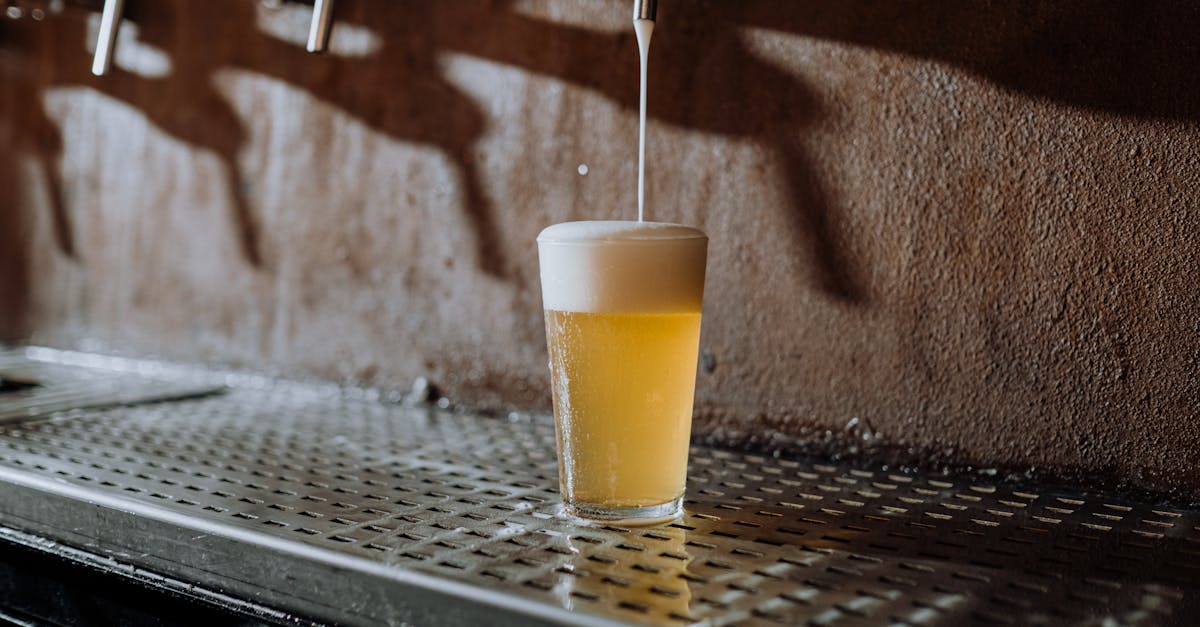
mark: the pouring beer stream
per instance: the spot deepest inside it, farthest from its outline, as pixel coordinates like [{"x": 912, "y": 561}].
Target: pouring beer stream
[{"x": 644, "y": 13}]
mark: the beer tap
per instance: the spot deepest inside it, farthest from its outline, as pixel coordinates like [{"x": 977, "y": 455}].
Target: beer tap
[
  {"x": 645, "y": 10},
  {"x": 322, "y": 24},
  {"x": 106, "y": 41}
]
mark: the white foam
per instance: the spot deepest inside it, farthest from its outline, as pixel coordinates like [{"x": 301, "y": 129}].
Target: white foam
[{"x": 611, "y": 266}]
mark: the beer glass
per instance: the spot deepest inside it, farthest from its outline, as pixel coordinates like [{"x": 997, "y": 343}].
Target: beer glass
[{"x": 622, "y": 306}]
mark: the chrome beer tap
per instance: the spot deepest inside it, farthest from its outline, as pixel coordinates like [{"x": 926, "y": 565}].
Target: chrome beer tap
[
  {"x": 322, "y": 24},
  {"x": 645, "y": 9},
  {"x": 106, "y": 41}
]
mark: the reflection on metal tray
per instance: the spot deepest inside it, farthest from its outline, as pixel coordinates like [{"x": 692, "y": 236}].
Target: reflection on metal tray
[
  {"x": 32, "y": 385},
  {"x": 362, "y": 512}
]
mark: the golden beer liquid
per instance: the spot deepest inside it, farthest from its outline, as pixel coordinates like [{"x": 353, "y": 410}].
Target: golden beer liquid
[{"x": 623, "y": 385}]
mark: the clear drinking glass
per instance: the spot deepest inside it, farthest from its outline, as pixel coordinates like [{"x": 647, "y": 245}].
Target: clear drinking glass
[{"x": 622, "y": 305}]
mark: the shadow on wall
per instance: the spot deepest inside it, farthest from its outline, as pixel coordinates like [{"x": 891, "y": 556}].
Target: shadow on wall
[
  {"x": 1126, "y": 58},
  {"x": 1123, "y": 57},
  {"x": 14, "y": 253},
  {"x": 14, "y": 217}
]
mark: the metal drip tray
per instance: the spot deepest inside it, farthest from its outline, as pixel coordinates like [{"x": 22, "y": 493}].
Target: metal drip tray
[
  {"x": 31, "y": 387},
  {"x": 356, "y": 511}
]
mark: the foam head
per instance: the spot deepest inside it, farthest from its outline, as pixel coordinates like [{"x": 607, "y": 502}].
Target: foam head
[{"x": 611, "y": 266}]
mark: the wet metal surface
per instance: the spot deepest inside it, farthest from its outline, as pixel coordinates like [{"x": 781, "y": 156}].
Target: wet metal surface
[{"x": 359, "y": 511}]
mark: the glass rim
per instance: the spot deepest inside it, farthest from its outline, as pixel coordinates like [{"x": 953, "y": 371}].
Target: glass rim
[{"x": 600, "y": 232}]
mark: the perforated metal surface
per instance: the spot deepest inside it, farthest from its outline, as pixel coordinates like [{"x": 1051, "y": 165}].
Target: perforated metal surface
[{"x": 473, "y": 499}]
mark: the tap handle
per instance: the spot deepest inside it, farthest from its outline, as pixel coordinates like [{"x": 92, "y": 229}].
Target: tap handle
[
  {"x": 106, "y": 41},
  {"x": 322, "y": 24},
  {"x": 645, "y": 10}
]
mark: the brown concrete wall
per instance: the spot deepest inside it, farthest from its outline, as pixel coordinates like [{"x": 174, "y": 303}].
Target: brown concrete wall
[{"x": 945, "y": 231}]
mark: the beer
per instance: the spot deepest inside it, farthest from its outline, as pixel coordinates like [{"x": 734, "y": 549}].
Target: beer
[
  {"x": 622, "y": 307},
  {"x": 626, "y": 380}
]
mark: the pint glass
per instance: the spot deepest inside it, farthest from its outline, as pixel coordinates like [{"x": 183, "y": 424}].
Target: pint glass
[{"x": 622, "y": 305}]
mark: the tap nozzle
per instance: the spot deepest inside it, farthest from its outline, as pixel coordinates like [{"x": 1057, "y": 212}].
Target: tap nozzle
[
  {"x": 106, "y": 40},
  {"x": 322, "y": 24},
  {"x": 645, "y": 9}
]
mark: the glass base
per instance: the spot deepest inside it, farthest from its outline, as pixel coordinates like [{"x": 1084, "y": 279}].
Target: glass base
[{"x": 626, "y": 516}]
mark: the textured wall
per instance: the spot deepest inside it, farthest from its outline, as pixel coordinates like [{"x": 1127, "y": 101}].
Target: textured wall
[{"x": 961, "y": 232}]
